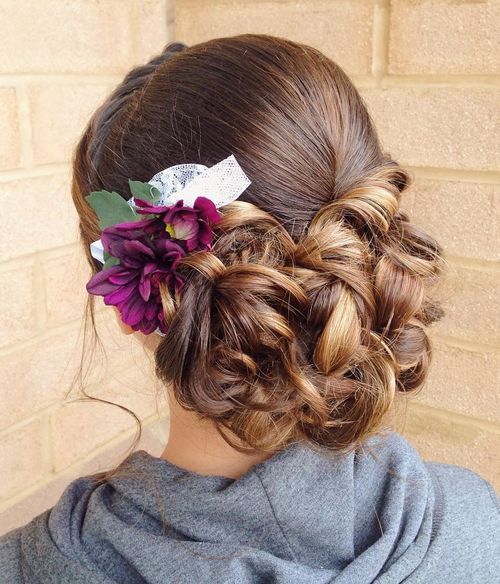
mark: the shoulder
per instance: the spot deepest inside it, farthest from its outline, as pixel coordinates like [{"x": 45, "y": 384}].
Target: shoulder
[
  {"x": 466, "y": 538},
  {"x": 466, "y": 492},
  {"x": 45, "y": 535},
  {"x": 10, "y": 556}
]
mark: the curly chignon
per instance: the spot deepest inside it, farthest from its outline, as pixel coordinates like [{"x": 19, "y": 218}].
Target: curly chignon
[{"x": 310, "y": 312}]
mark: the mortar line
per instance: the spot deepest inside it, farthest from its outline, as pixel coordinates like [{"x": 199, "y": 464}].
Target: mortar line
[
  {"x": 464, "y": 345},
  {"x": 39, "y": 293},
  {"x": 35, "y": 171},
  {"x": 44, "y": 254},
  {"x": 491, "y": 82},
  {"x": 456, "y": 175},
  {"x": 134, "y": 31},
  {"x": 380, "y": 40},
  {"x": 455, "y": 417},
  {"x": 25, "y": 134},
  {"x": 24, "y": 79},
  {"x": 490, "y": 266}
]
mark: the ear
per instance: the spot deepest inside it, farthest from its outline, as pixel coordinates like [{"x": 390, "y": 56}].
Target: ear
[{"x": 126, "y": 329}]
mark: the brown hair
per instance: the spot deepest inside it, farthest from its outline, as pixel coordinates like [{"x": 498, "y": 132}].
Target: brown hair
[{"x": 310, "y": 312}]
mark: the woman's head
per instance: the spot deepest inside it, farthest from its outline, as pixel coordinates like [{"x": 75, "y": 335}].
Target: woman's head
[{"x": 309, "y": 313}]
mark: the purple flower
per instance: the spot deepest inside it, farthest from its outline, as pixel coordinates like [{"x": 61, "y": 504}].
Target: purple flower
[
  {"x": 148, "y": 252},
  {"x": 145, "y": 262},
  {"x": 189, "y": 224}
]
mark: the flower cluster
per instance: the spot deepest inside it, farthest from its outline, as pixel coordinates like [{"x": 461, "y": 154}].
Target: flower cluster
[{"x": 144, "y": 253}]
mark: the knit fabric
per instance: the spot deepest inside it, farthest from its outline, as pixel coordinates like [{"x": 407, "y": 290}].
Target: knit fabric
[{"x": 378, "y": 515}]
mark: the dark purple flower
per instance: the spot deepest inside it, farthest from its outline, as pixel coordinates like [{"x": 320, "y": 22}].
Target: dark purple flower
[
  {"x": 149, "y": 251},
  {"x": 189, "y": 224},
  {"x": 145, "y": 262}
]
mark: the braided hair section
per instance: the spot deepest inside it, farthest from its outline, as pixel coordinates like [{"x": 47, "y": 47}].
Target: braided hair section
[{"x": 280, "y": 339}]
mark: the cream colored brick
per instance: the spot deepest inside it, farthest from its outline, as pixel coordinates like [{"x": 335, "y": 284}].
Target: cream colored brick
[
  {"x": 22, "y": 512},
  {"x": 41, "y": 375},
  {"x": 113, "y": 455},
  {"x": 341, "y": 29},
  {"x": 471, "y": 300},
  {"x": 464, "y": 382},
  {"x": 139, "y": 389},
  {"x": 17, "y": 317},
  {"x": 79, "y": 428},
  {"x": 45, "y": 497},
  {"x": 59, "y": 114},
  {"x": 21, "y": 456},
  {"x": 37, "y": 214},
  {"x": 438, "y": 126},
  {"x": 152, "y": 28},
  {"x": 442, "y": 439},
  {"x": 464, "y": 217},
  {"x": 36, "y": 377},
  {"x": 84, "y": 36},
  {"x": 439, "y": 37},
  {"x": 65, "y": 280},
  {"x": 10, "y": 155}
]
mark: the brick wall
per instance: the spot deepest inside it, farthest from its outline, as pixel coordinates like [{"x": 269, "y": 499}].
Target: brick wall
[
  {"x": 429, "y": 72},
  {"x": 57, "y": 62}
]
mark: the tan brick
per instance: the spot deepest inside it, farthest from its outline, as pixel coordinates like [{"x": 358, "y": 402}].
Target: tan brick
[
  {"x": 81, "y": 427},
  {"x": 438, "y": 126},
  {"x": 464, "y": 217},
  {"x": 84, "y": 36},
  {"x": 341, "y": 29},
  {"x": 17, "y": 317},
  {"x": 113, "y": 455},
  {"x": 471, "y": 300},
  {"x": 454, "y": 442},
  {"x": 21, "y": 456},
  {"x": 152, "y": 25},
  {"x": 88, "y": 425},
  {"x": 41, "y": 375},
  {"x": 59, "y": 114},
  {"x": 45, "y": 497},
  {"x": 24, "y": 511},
  {"x": 65, "y": 279},
  {"x": 464, "y": 382},
  {"x": 436, "y": 37},
  {"x": 36, "y": 377},
  {"x": 138, "y": 388},
  {"x": 10, "y": 155},
  {"x": 37, "y": 214}
]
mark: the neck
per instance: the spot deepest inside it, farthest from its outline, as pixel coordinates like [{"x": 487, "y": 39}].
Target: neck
[{"x": 195, "y": 445}]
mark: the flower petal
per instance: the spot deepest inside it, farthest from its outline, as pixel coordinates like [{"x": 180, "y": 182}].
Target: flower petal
[
  {"x": 122, "y": 293},
  {"x": 100, "y": 283},
  {"x": 207, "y": 209},
  {"x": 132, "y": 310}
]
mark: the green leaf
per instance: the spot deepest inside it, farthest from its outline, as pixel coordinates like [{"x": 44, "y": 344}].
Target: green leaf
[
  {"x": 144, "y": 191},
  {"x": 110, "y": 261},
  {"x": 111, "y": 208}
]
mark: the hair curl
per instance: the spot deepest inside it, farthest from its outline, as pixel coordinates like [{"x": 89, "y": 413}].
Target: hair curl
[{"x": 310, "y": 312}]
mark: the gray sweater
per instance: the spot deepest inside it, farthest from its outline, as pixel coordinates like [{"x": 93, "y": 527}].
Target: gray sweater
[{"x": 379, "y": 515}]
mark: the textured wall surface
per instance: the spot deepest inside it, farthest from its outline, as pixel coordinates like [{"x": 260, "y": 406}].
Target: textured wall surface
[
  {"x": 429, "y": 71},
  {"x": 57, "y": 62}
]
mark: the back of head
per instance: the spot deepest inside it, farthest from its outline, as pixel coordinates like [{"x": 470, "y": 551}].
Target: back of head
[{"x": 310, "y": 311}]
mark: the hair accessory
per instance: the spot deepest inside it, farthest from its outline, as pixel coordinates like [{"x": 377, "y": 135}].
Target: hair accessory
[{"x": 143, "y": 239}]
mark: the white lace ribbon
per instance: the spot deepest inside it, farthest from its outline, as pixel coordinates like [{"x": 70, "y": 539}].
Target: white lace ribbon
[{"x": 222, "y": 183}]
